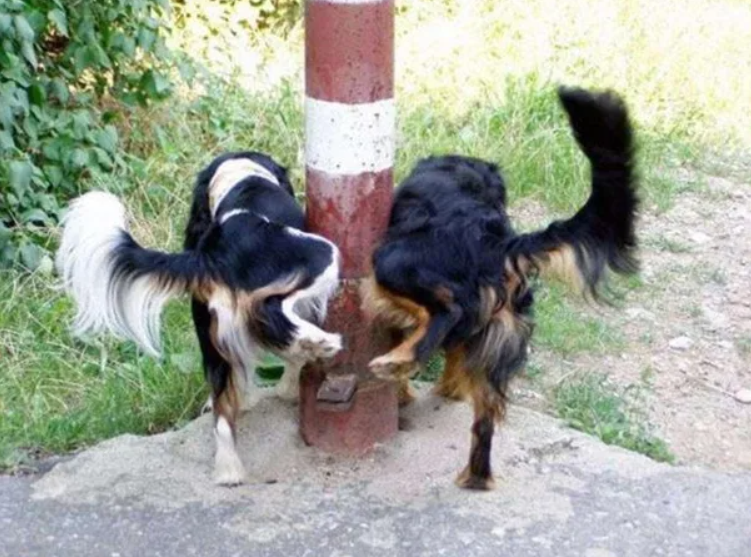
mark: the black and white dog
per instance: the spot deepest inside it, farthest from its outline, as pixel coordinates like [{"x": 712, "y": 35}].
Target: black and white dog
[
  {"x": 257, "y": 281},
  {"x": 454, "y": 274}
]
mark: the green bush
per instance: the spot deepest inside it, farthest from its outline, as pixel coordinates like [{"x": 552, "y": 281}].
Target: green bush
[{"x": 66, "y": 69}]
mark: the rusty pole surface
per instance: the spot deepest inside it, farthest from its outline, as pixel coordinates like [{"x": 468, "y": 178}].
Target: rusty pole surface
[{"x": 349, "y": 151}]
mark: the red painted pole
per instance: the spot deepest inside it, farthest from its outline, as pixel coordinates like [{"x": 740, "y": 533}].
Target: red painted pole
[{"x": 350, "y": 129}]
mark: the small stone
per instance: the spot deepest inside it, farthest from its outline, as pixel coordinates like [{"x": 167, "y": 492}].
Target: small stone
[
  {"x": 699, "y": 237},
  {"x": 499, "y": 532},
  {"x": 743, "y": 396},
  {"x": 680, "y": 343},
  {"x": 716, "y": 319}
]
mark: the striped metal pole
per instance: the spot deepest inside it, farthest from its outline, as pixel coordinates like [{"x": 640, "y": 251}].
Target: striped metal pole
[{"x": 349, "y": 151}]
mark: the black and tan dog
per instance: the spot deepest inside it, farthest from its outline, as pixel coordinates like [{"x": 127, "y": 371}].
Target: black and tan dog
[
  {"x": 454, "y": 274},
  {"x": 258, "y": 282}
]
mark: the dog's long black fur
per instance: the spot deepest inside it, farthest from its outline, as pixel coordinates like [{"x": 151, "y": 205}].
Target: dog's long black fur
[
  {"x": 241, "y": 261},
  {"x": 451, "y": 250},
  {"x": 244, "y": 253}
]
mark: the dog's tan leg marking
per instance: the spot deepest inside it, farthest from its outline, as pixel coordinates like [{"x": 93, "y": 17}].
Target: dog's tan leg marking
[
  {"x": 489, "y": 408},
  {"x": 406, "y": 395},
  {"x": 401, "y": 360},
  {"x": 454, "y": 383}
]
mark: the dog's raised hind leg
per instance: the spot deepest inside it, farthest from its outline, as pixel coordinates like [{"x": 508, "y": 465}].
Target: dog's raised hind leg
[{"x": 311, "y": 342}]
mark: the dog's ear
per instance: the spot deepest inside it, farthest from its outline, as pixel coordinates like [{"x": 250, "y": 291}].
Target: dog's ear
[{"x": 281, "y": 174}]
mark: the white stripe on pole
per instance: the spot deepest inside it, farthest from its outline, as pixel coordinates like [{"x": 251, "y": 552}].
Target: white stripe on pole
[{"x": 349, "y": 138}]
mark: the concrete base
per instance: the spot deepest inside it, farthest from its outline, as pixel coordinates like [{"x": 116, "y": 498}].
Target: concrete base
[
  {"x": 372, "y": 416},
  {"x": 560, "y": 494},
  {"x": 353, "y": 427}
]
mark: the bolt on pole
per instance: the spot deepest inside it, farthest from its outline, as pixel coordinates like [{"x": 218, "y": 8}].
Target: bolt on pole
[{"x": 349, "y": 157}]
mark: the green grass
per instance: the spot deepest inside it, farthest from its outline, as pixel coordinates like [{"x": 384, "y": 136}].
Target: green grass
[
  {"x": 693, "y": 310},
  {"x": 664, "y": 243},
  {"x": 433, "y": 369},
  {"x": 57, "y": 394},
  {"x": 703, "y": 273},
  {"x": 592, "y": 405},
  {"x": 533, "y": 371},
  {"x": 566, "y": 329},
  {"x": 743, "y": 345}
]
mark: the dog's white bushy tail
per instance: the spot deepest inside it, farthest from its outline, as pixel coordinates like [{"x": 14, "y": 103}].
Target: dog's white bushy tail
[{"x": 118, "y": 286}]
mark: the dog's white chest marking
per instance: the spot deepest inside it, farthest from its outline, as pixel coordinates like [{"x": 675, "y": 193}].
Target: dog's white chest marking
[{"x": 229, "y": 174}]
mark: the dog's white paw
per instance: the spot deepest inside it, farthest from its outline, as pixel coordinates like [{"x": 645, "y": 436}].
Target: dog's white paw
[
  {"x": 208, "y": 406},
  {"x": 229, "y": 476},
  {"x": 331, "y": 346},
  {"x": 228, "y": 468},
  {"x": 319, "y": 346}
]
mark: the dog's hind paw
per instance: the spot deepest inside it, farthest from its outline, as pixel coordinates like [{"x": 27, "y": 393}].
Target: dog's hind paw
[
  {"x": 391, "y": 369},
  {"x": 322, "y": 346},
  {"x": 229, "y": 470},
  {"x": 467, "y": 480},
  {"x": 332, "y": 346}
]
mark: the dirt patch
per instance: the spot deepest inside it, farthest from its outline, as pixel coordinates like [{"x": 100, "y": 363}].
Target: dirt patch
[{"x": 687, "y": 328}]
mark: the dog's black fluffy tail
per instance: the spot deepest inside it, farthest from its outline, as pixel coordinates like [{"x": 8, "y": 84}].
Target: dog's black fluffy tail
[
  {"x": 601, "y": 235},
  {"x": 118, "y": 285}
]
